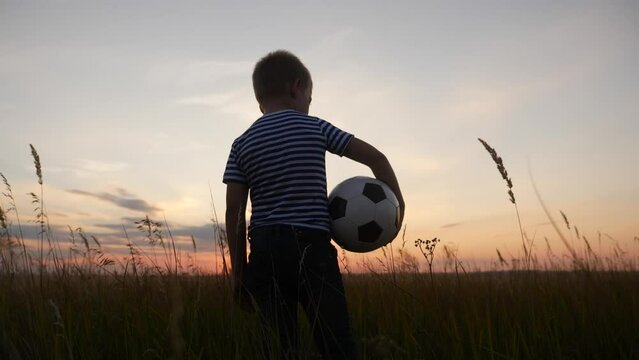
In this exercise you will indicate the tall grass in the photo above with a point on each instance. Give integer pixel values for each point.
(509, 183)
(85, 303)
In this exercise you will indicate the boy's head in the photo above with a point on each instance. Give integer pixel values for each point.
(281, 78)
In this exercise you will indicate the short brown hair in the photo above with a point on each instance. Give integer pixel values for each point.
(275, 71)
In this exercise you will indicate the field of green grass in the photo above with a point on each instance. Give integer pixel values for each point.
(81, 304)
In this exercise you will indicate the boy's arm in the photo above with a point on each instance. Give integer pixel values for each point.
(236, 196)
(368, 155)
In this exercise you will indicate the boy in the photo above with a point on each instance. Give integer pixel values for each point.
(281, 160)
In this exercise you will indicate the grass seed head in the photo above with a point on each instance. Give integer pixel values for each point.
(3, 218)
(501, 258)
(193, 242)
(565, 219)
(8, 194)
(151, 229)
(502, 169)
(38, 165)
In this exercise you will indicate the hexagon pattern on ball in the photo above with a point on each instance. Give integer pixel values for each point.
(364, 213)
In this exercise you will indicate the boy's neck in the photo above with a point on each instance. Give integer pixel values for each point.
(273, 109)
(274, 106)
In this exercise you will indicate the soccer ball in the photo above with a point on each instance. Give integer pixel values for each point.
(364, 214)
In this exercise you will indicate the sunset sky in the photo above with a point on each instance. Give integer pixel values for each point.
(133, 107)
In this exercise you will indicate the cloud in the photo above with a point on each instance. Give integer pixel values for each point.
(156, 143)
(479, 101)
(418, 164)
(214, 100)
(339, 41)
(197, 73)
(219, 84)
(32, 231)
(122, 199)
(112, 239)
(101, 166)
(238, 102)
(203, 234)
(85, 168)
(58, 214)
(451, 225)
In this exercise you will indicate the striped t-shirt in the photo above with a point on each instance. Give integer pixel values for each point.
(281, 158)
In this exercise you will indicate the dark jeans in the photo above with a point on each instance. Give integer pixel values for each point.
(290, 265)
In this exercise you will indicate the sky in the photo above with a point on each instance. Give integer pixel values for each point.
(132, 107)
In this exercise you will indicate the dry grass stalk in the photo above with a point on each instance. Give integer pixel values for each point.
(344, 262)
(6, 244)
(219, 235)
(152, 230)
(427, 248)
(509, 183)
(38, 165)
(502, 261)
(572, 251)
(3, 219)
(565, 219)
(588, 247)
(8, 193)
(549, 254)
(42, 219)
(193, 243)
(502, 169)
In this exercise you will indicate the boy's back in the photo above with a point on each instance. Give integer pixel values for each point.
(281, 158)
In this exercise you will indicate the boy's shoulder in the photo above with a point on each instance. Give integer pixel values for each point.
(277, 121)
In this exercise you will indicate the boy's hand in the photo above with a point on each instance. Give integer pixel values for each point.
(236, 197)
(368, 155)
(400, 220)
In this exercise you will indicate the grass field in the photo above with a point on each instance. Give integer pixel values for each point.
(533, 315)
(84, 305)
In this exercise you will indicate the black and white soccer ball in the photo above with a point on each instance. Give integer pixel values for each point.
(364, 214)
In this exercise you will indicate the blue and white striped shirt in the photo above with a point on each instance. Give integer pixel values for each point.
(281, 158)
